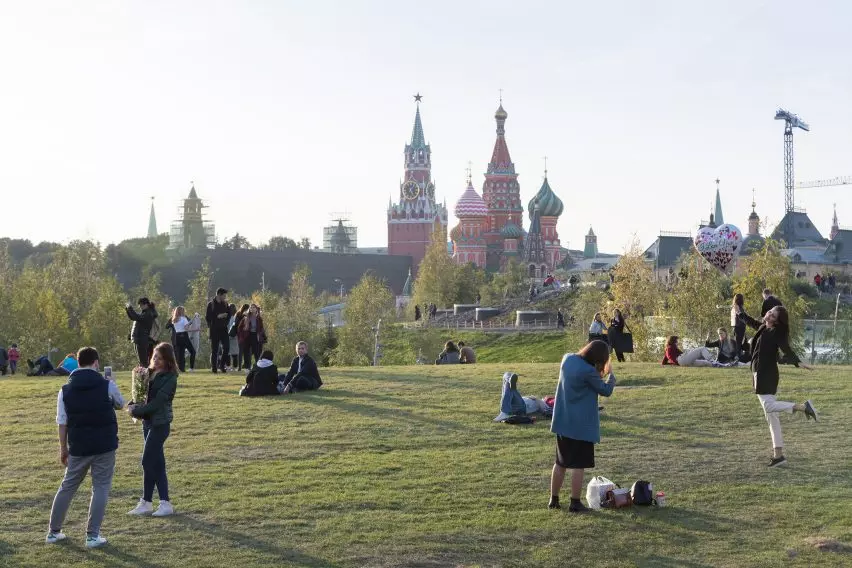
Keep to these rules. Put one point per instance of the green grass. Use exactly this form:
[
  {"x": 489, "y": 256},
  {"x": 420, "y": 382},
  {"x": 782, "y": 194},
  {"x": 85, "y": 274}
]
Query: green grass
[{"x": 402, "y": 466}]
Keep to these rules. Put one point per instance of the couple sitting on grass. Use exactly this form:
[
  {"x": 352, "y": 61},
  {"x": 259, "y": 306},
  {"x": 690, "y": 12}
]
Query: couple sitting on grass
[
  {"x": 263, "y": 379},
  {"x": 729, "y": 355},
  {"x": 454, "y": 354}
]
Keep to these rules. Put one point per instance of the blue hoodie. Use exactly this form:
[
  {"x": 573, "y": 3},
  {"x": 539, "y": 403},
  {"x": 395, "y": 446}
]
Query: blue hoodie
[{"x": 575, "y": 410}]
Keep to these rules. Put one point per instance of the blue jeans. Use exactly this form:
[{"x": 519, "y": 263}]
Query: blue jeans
[{"x": 154, "y": 461}]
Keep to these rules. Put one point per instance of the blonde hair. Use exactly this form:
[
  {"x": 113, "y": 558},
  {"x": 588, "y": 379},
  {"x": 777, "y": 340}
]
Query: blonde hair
[{"x": 179, "y": 312}]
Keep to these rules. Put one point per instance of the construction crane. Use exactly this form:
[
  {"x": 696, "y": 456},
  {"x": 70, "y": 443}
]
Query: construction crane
[
  {"x": 843, "y": 180},
  {"x": 791, "y": 121}
]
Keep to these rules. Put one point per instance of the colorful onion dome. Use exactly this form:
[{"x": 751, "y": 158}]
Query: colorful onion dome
[
  {"x": 548, "y": 204},
  {"x": 456, "y": 233},
  {"x": 511, "y": 231},
  {"x": 470, "y": 204}
]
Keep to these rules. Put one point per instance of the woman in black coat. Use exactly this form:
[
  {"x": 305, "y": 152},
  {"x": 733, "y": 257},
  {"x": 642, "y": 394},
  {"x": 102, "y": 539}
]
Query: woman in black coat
[
  {"x": 262, "y": 380},
  {"x": 773, "y": 335},
  {"x": 140, "y": 333},
  {"x": 616, "y": 332}
]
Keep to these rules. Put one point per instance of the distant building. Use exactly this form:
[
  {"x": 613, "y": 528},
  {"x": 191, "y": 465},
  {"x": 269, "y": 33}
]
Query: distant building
[
  {"x": 152, "y": 222},
  {"x": 753, "y": 241},
  {"x": 340, "y": 238},
  {"x": 589, "y": 260},
  {"x": 666, "y": 250},
  {"x": 191, "y": 231}
]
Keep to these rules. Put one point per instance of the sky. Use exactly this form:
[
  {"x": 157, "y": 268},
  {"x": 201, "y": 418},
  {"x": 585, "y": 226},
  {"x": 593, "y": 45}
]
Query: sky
[{"x": 287, "y": 113}]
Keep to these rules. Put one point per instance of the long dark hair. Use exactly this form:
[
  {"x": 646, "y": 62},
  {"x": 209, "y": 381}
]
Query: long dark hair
[
  {"x": 243, "y": 310},
  {"x": 167, "y": 353},
  {"x": 738, "y": 300},
  {"x": 672, "y": 340},
  {"x": 595, "y": 353},
  {"x": 450, "y": 347},
  {"x": 783, "y": 323}
]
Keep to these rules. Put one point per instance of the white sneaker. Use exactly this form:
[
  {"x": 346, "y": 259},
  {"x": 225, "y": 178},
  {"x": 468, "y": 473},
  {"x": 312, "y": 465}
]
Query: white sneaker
[
  {"x": 54, "y": 537},
  {"x": 501, "y": 417},
  {"x": 164, "y": 510},
  {"x": 143, "y": 508},
  {"x": 95, "y": 541}
]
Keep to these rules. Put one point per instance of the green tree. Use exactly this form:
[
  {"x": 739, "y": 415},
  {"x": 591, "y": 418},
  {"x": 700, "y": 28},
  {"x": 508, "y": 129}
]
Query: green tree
[
  {"x": 694, "y": 297},
  {"x": 150, "y": 286},
  {"x": 237, "y": 242},
  {"x": 436, "y": 275},
  {"x": 368, "y": 302},
  {"x": 106, "y": 327},
  {"x": 636, "y": 293},
  {"x": 200, "y": 292},
  {"x": 280, "y": 243}
]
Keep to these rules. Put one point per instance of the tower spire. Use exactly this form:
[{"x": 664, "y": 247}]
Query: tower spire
[
  {"x": 152, "y": 221},
  {"x": 835, "y": 226},
  {"x": 418, "y": 139},
  {"x": 720, "y": 220}
]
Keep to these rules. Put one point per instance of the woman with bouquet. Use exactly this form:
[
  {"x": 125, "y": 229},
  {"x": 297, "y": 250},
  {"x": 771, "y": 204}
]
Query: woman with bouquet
[{"x": 156, "y": 415}]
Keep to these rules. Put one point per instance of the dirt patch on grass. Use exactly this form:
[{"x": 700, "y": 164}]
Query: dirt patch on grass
[{"x": 828, "y": 544}]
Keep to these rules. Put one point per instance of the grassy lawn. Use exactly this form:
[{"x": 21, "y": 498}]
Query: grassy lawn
[{"x": 402, "y": 466}]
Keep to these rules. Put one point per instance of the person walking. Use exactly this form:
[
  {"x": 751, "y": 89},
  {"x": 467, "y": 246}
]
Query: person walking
[
  {"x": 140, "y": 332},
  {"x": 156, "y": 415},
  {"x": 773, "y": 335},
  {"x": 616, "y": 334},
  {"x": 217, "y": 322},
  {"x": 180, "y": 324},
  {"x": 252, "y": 335},
  {"x": 576, "y": 418},
  {"x": 88, "y": 439}
]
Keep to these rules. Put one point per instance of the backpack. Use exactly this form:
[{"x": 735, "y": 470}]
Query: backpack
[{"x": 642, "y": 493}]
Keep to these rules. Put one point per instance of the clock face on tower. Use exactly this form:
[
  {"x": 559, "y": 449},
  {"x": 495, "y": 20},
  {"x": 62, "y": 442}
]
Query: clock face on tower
[
  {"x": 430, "y": 190},
  {"x": 410, "y": 190}
]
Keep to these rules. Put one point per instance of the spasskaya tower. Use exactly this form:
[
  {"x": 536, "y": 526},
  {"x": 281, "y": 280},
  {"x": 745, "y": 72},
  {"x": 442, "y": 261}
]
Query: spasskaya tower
[{"x": 413, "y": 219}]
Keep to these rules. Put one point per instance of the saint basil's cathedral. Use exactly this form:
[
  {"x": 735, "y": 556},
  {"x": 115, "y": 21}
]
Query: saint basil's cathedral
[{"x": 490, "y": 229}]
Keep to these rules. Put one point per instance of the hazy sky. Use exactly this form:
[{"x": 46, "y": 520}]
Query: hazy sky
[{"x": 284, "y": 112}]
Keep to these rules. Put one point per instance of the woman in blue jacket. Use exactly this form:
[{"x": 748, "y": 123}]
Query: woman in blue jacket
[{"x": 576, "y": 421}]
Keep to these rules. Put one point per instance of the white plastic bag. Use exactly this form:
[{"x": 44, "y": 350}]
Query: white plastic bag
[{"x": 596, "y": 491}]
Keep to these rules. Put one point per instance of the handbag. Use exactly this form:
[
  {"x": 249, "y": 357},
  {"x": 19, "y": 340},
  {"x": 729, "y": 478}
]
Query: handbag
[
  {"x": 617, "y": 498},
  {"x": 626, "y": 343}
]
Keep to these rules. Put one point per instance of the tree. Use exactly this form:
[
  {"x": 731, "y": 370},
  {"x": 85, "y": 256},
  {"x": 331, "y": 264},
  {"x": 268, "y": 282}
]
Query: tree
[
  {"x": 299, "y": 314},
  {"x": 106, "y": 327},
  {"x": 237, "y": 242},
  {"x": 436, "y": 275},
  {"x": 768, "y": 268},
  {"x": 196, "y": 303},
  {"x": 150, "y": 286},
  {"x": 695, "y": 296},
  {"x": 368, "y": 302},
  {"x": 279, "y": 244},
  {"x": 635, "y": 292},
  {"x": 305, "y": 243}
]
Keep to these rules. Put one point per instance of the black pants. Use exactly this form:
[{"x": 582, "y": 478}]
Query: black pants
[
  {"x": 739, "y": 335},
  {"x": 250, "y": 347},
  {"x": 142, "y": 350},
  {"x": 182, "y": 345},
  {"x": 302, "y": 383},
  {"x": 219, "y": 338},
  {"x": 619, "y": 355}
]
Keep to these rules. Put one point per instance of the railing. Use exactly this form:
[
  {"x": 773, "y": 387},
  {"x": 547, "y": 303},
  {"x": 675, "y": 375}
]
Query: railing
[{"x": 484, "y": 325}]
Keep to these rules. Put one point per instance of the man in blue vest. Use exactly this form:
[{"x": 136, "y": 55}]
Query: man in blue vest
[{"x": 88, "y": 438}]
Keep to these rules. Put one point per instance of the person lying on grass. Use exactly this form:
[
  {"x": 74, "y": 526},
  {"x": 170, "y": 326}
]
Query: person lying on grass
[
  {"x": 699, "y": 357},
  {"x": 576, "y": 421},
  {"x": 303, "y": 374},
  {"x": 262, "y": 380}
]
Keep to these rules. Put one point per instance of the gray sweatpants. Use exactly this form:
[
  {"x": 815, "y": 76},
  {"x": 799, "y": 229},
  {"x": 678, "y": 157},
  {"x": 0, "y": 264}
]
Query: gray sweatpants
[{"x": 102, "y": 466}]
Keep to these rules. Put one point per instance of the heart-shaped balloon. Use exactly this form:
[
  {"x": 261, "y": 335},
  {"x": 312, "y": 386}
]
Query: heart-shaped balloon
[{"x": 720, "y": 246}]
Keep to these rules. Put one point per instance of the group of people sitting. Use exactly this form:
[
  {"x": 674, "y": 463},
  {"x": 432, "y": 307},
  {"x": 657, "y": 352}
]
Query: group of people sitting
[
  {"x": 42, "y": 367},
  {"x": 263, "y": 378},
  {"x": 731, "y": 351},
  {"x": 456, "y": 353}
]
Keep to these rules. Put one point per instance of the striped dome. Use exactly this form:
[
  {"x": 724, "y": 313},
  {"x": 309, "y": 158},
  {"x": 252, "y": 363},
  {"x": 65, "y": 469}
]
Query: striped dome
[
  {"x": 470, "y": 204},
  {"x": 548, "y": 204},
  {"x": 511, "y": 231},
  {"x": 456, "y": 233}
]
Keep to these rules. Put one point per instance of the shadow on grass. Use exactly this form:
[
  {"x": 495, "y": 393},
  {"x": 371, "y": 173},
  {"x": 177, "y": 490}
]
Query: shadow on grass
[
  {"x": 666, "y": 562},
  {"x": 127, "y": 558},
  {"x": 254, "y": 543},
  {"x": 380, "y": 412}
]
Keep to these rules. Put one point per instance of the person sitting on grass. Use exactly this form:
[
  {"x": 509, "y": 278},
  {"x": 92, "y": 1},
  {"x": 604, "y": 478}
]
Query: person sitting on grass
[
  {"x": 728, "y": 350},
  {"x": 303, "y": 374},
  {"x": 466, "y": 354},
  {"x": 576, "y": 419},
  {"x": 40, "y": 367},
  {"x": 66, "y": 367},
  {"x": 262, "y": 380},
  {"x": 450, "y": 355},
  {"x": 698, "y": 357}
]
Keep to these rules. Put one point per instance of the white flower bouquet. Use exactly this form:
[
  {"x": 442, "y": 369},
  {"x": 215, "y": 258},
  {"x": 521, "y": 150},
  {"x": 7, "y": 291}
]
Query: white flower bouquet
[{"x": 139, "y": 386}]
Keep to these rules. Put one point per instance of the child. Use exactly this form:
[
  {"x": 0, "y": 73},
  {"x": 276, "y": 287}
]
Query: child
[{"x": 14, "y": 357}]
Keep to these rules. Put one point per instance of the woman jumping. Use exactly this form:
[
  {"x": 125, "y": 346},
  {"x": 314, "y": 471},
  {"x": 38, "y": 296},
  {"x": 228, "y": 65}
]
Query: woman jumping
[{"x": 774, "y": 335}]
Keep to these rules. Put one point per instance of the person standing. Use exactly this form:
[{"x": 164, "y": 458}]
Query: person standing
[
  {"x": 233, "y": 341},
  {"x": 560, "y": 319},
  {"x": 156, "y": 415},
  {"x": 252, "y": 335},
  {"x": 4, "y": 360},
  {"x": 194, "y": 330},
  {"x": 576, "y": 418},
  {"x": 769, "y": 302},
  {"x": 738, "y": 326},
  {"x": 303, "y": 373},
  {"x": 180, "y": 324},
  {"x": 14, "y": 357},
  {"x": 773, "y": 335},
  {"x": 235, "y": 332},
  {"x": 217, "y": 321},
  {"x": 88, "y": 439},
  {"x": 616, "y": 334},
  {"x": 140, "y": 333}
]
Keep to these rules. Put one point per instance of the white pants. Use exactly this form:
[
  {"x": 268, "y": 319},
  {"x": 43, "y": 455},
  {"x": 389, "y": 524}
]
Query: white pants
[
  {"x": 699, "y": 357},
  {"x": 771, "y": 408}
]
